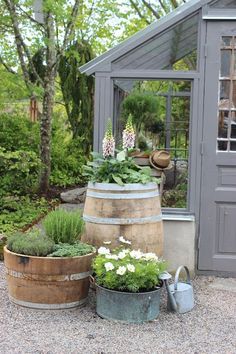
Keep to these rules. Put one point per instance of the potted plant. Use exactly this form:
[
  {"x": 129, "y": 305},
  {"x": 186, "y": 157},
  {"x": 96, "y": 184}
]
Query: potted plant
[
  {"x": 127, "y": 284},
  {"x": 122, "y": 198},
  {"x": 49, "y": 270}
]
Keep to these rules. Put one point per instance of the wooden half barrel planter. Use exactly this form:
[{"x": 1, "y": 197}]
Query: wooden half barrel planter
[
  {"x": 132, "y": 211},
  {"x": 47, "y": 282}
]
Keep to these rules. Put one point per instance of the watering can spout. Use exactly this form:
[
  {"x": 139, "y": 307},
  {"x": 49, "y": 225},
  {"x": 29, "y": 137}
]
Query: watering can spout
[{"x": 165, "y": 276}]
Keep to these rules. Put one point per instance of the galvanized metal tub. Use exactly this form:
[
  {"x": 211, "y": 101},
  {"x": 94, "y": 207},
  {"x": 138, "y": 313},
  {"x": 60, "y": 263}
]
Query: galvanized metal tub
[
  {"x": 47, "y": 282},
  {"x": 127, "y": 307},
  {"x": 132, "y": 211}
]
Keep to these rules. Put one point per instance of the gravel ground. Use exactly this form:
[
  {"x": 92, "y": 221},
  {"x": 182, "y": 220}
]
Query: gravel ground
[{"x": 209, "y": 328}]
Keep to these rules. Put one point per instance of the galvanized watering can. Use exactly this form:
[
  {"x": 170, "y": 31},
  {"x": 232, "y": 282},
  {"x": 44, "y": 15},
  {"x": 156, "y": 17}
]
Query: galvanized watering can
[{"x": 180, "y": 295}]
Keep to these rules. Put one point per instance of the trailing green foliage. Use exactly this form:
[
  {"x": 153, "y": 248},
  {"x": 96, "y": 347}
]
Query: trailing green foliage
[
  {"x": 67, "y": 250},
  {"x": 126, "y": 270},
  {"x": 64, "y": 226},
  {"x": 77, "y": 90},
  {"x": 17, "y": 212},
  {"x": 32, "y": 243},
  {"x": 118, "y": 170}
]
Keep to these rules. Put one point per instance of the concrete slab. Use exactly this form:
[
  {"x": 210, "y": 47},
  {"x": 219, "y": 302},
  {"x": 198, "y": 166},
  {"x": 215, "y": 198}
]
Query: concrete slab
[{"x": 228, "y": 284}]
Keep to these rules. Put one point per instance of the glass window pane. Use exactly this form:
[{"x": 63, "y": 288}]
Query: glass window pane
[
  {"x": 233, "y": 146},
  {"x": 226, "y": 41},
  {"x": 234, "y": 95},
  {"x": 225, "y": 63},
  {"x": 224, "y": 93},
  {"x": 234, "y": 64},
  {"x": 223, "y": 124},
  {"x": 233, "y": 125},
  {"x": 222, "y": 145}
]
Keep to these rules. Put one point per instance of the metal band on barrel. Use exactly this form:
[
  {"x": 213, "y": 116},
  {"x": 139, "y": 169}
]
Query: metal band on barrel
[
  {"x": 64, "y": 277},
  {"x": 35, "y": 305},
  {"x": 122, "y": 221},
  {"x": 142, "y": 195}
]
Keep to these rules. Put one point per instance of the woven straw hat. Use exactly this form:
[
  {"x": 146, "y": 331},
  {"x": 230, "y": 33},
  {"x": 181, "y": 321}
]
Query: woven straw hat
[{"x": 160, "y": 160}]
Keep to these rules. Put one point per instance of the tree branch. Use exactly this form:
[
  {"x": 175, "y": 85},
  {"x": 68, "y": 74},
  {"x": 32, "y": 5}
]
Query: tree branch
[
  {"x": 30, "y": 17},
  {"x": 135, "y": 6},
  {"x": 153, "y": 11},
  {"x": 174, "y": 3},
  {"x": 71, "y": 24},
  {"x": 163, "y": 6},
  {"x": 10, "y": 70},
  {"x": 21, "y": 46}
]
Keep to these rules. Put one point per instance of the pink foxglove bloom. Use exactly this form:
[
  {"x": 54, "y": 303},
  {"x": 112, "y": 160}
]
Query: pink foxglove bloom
[
  {"x": 128, "y": 134},
  {"x": 108, "y": 144}
]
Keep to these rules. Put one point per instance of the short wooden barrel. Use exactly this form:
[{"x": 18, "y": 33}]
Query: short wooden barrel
[
  {"x": 132, "y": 211},
  {"x": 47, "y": 282}
]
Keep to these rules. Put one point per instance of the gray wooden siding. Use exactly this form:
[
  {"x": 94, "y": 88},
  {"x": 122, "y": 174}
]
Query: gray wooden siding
[
  {"x": 221, "y": 4},
  {"x": 163, "y": 50}
]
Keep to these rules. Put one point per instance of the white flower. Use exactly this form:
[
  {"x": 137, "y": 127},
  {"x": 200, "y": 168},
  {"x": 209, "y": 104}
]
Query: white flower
[
  {"x": 106, "y": 242},
  {"x": 109, "y": 266},
  {"x": 150, "y": 256},
  {"x": 123, "y": 240},
  {"x": 136, "y": 254},
  {"x": 131, "y": 268},
  {"x": 121, "y": 270},
  {"x": 103, "y": 250},
  {"x": 122, "y": 254},
  {"x": 112, "y": 256}
]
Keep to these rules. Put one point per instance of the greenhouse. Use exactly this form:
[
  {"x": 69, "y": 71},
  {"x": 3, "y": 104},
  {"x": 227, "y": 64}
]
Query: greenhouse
[{"x": 177, "y": 78}]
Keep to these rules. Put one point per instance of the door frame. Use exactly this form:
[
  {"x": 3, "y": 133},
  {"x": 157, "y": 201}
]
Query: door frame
[{"x": 202, "y": 121}]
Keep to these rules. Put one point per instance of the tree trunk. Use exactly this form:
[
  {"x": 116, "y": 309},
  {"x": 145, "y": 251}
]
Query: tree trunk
[
  {"x": 45, "y": 136},
  {"x": 48, "y": 101}
]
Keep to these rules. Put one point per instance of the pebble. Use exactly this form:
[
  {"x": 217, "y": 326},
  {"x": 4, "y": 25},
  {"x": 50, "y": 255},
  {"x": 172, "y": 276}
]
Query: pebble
[{"x": 209, "y": 328}]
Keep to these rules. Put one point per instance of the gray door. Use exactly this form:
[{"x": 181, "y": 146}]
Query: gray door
[{"x": 217, "y": 242}]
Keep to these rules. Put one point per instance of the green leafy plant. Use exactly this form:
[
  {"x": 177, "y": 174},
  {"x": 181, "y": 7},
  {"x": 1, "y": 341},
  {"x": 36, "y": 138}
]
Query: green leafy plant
[
  {"x": 33, "y": 243},
  {"x": 19, "y": 212},
  {"x": 126, "y": 270},
  {"x": 64, "y": 226},
  {"x": 118, "y": 169},
  {"x": 67, "y": 250},
  {"x": 18, "y": 171},
  {"x": 17, "y": 132}
]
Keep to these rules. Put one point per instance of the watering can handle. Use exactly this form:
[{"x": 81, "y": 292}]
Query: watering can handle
[{"x": 177, "y": 275}]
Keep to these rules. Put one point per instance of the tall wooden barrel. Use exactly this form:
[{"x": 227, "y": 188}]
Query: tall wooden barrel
[
  {"x": 132, "y": 211},
  {"x": 47, "y": 282}
]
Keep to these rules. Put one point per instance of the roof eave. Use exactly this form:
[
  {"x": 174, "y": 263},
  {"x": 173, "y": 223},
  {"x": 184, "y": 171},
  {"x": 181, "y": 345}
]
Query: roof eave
[{"x": 100, "y": 63}]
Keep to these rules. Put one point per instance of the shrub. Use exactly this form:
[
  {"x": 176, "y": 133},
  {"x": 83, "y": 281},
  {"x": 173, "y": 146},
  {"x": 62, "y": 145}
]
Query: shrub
[
  {"x": 67, "y": 159},
  {"x": 18, "y": 171},
  {"x": 17, "y": 132},
  {"x": 67, "y": 250},
  {"x": 64, "y": 226},
  {"x": 32, "y": 243}
]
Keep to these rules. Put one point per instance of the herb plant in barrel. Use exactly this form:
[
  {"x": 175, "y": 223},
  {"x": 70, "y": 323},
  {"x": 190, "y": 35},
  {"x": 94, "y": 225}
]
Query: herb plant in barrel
[
  {"x": 49, "y": 270},
  {"x": 122, "y": 198}
]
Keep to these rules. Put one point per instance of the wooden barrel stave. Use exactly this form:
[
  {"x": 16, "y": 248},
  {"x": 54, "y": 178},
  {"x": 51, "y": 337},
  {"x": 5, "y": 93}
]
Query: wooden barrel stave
[
  {"x": 112, "y": 212},
  {"x": 47, "y": 282}
]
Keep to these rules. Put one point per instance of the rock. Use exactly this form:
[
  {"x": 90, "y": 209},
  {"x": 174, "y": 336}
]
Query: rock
[{"x": 74, "y": 196}]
